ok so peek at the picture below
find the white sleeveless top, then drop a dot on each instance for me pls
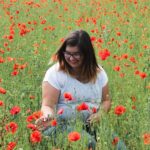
(90, 93)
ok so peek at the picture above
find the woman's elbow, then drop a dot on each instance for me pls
(106, 105)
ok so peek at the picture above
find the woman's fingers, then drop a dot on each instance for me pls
(93, 118)
(43, 125)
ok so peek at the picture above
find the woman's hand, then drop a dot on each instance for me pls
(94, 118)
(43, 122)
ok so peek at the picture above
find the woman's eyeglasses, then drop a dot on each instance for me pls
(75, 55)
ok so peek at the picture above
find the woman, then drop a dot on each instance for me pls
(77, 73)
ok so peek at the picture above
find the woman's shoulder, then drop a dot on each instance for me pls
(102, 76)
(101, 69)
(55, 77)
(54, 69)
(102, 73)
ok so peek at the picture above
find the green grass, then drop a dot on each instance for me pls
(37, 45)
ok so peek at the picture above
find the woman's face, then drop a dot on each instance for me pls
(73, 57)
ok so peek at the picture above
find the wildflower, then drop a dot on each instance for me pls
(10, 59)
(2, 60)
(60, 111)
(124, 56)
(100, 40)
(53, 123)
(14, 73)
(82, 106)
(74, 136)
(1, 103)
(68, 96)
(94, 110)
(137, 72)
(145, 46)
(11, 145)
(103, 54)
(35, 137)
(122, 75)
(117, 68)
(115, 141)
(16, 66)
(133, 98)
(146, 138)
(93, 38)
(134, 107)
(11, 127)
(23, 66)
(119, 110)
(30, 118)
(37, 114)
(32, 127)
(132, 59)
(143, 75)
(15, 110)
(32, 97)
(43, 21)
(118, 33)
(2, 90)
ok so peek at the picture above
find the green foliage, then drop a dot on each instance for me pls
(39, 42)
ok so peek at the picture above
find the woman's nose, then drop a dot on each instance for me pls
(72, 58)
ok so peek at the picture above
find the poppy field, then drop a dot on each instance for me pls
(31, 31)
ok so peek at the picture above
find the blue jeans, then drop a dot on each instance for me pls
(64, 125)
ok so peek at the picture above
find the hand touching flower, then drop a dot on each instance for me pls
(94, 118)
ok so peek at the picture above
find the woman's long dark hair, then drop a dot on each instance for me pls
(81, 39)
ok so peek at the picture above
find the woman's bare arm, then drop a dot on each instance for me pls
(106, 100)
(50, 97)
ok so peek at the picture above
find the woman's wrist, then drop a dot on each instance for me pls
(47, 111)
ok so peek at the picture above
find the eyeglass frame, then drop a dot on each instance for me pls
(72, 54)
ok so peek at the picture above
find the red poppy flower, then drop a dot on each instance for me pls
(11, 145)
(37, 114)
(2, 60)
(32, 127)
(43, 21)
(1, 103)
(30, 118)
(35, 137)
(124, 56)
(117, 68)
(119, 110)
(93, 38)
(2, 90)
(23, 66)
(100, 40)
(143, 75)
(132, 59)
(32, 97)
(14, 73)
(60, 111)
(15, 110)
(133, 98)
(94, 110)
(118, 33)
(134, 107)
(74, 136)
(11, 127)
(115, 141)
(68, 96)
(103, 54)
(146, 138)
(53, 123)
(82, 106)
